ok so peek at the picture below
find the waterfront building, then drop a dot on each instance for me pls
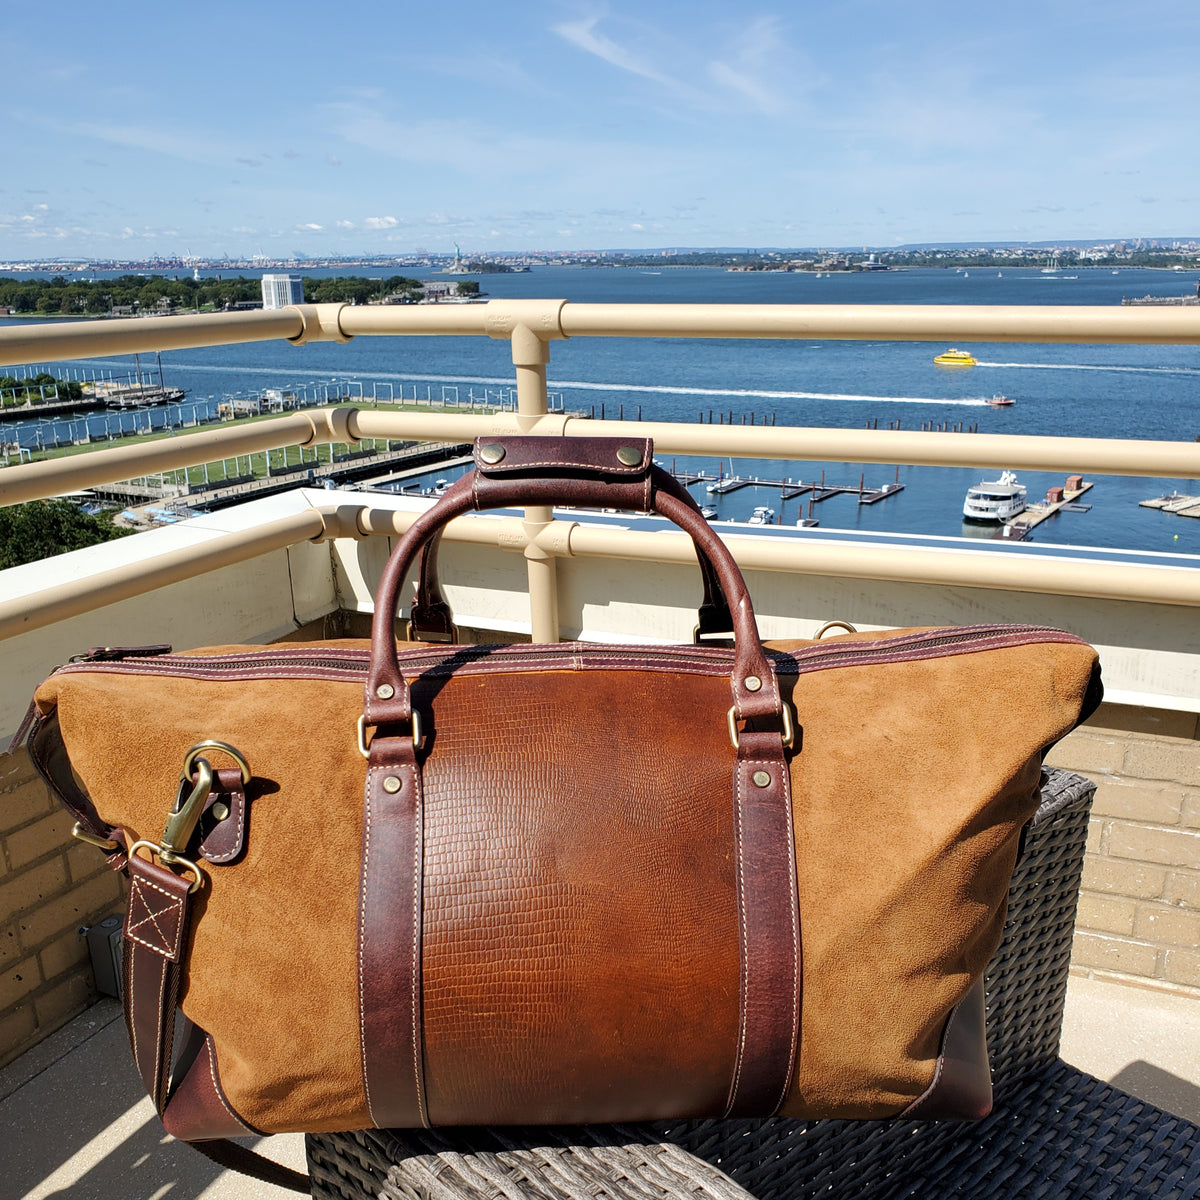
(278, 291)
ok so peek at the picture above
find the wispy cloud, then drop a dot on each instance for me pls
(746, 74)
(186, 144)
(584, 35)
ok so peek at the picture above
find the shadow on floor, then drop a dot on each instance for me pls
(1160, 1088)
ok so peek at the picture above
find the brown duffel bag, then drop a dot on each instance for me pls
(448, 885)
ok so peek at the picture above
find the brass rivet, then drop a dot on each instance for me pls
(385, 691)
(629, 455)
(761, 779)
(492, 453)
(752, 683)
(220, 810)
(391, 783)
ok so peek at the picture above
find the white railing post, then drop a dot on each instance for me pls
(529, 325)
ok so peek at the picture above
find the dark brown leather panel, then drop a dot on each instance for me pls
(389, 938)
(769, 928)
(198, 1109)
(580, 941)
(962, 1082)
(48, 754)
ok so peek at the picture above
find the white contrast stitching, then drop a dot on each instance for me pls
(743, 956)
(169, 945)
(241, 825)
(362, 923)
(418, 848)
(212, 1071)
(786, 784)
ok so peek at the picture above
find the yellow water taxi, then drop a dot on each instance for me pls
(955, 358)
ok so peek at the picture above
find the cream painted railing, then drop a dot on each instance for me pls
(530, 326)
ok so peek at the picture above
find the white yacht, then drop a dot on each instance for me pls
(995, 500)
(762, 516)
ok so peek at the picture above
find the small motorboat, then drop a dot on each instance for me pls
(762, 515)
(708, 512)
(1001, 401)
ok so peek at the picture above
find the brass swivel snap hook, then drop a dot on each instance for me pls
(189, 804)
(195, 788)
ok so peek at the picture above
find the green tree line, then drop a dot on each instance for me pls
(142, 293)
(44, 528)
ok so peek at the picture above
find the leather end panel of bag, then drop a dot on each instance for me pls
(48, 754)
(198, 1109)
(962, 1083)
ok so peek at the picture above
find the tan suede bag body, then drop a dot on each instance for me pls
(467, 885)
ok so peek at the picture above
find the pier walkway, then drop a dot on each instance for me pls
(789, 490)
(1022, 525)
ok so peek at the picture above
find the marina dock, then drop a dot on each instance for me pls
(1177, 503)
(1024, 523)
(788, 490)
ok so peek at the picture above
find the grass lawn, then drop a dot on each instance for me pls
(221, 469)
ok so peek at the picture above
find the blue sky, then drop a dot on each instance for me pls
(132, 128)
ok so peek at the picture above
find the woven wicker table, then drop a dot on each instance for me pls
(1055, 1132)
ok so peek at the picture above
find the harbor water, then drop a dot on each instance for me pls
(1058, 390)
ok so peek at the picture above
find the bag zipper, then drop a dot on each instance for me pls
(350, 665)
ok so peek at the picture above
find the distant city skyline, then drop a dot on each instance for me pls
(147, 130)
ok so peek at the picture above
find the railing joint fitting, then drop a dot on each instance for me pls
(322, 323)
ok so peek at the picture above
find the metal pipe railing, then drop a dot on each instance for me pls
(886, 322)
(139, 335)
(530, 325)
(547, 319)
(73, 472)
(1100, 456)
(808, 555)
(25, 613)
(51, 477)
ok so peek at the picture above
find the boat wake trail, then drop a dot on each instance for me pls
(753, 393)
(1094, 367)
(585, 386)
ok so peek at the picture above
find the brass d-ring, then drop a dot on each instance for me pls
(834, 625)
(189, 759)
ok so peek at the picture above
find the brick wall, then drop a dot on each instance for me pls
(50, 885)
(1139, 912)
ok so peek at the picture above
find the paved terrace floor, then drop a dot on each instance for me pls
(76, 1122)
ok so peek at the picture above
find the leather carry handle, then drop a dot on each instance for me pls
(430, 618)
(600, 472)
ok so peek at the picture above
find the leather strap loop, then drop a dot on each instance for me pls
(768, 927)
(389, 937)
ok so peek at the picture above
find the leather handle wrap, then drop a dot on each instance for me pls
(587, 471)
